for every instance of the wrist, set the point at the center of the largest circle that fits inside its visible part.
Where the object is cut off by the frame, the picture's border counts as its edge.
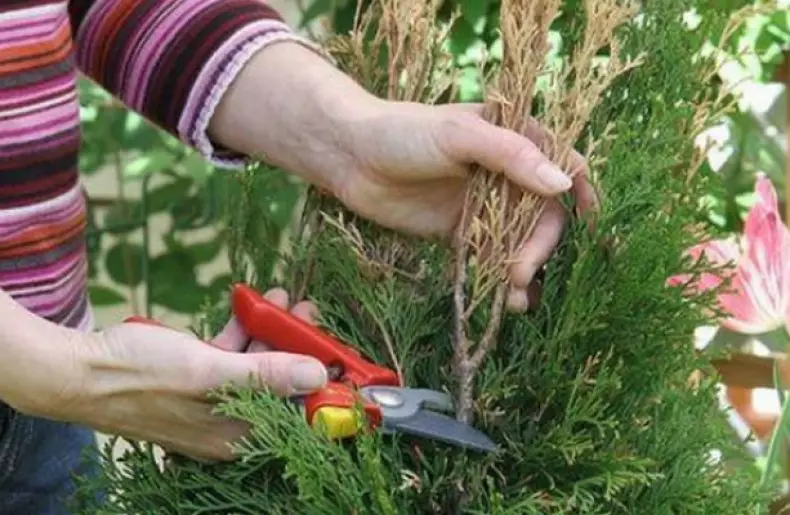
(293, 109)
(39, 362)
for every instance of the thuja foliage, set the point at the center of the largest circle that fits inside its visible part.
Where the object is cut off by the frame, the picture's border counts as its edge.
(589, 395)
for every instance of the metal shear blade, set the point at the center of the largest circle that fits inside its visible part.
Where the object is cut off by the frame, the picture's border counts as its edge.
(406, 410)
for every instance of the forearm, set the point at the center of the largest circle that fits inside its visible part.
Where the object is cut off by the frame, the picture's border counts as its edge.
(227, 77)
(290, 107)
(35, 354)
(172, 60)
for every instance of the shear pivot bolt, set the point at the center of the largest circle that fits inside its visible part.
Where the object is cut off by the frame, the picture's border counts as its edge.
(386, 398)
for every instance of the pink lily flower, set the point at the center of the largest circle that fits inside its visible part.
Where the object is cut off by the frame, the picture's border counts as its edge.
(758, 297)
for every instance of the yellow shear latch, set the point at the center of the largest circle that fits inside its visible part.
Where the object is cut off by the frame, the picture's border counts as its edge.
(337, 422)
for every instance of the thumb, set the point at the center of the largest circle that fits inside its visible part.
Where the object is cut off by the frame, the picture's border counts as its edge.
(283, 373)
(469, 138)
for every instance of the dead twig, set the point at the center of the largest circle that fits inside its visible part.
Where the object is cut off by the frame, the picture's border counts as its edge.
(577, 87)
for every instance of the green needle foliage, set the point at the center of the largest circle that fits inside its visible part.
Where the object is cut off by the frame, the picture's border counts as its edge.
(588, 396)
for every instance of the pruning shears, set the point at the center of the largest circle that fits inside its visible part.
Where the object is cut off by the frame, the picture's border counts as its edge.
(388, 407)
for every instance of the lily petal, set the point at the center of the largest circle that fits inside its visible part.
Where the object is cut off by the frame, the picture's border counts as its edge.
(746, 315)
(717, 252)
(766, 194)
(763, 275)
(758, 297)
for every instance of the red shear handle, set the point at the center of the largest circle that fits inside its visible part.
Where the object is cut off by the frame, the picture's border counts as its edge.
(278, 328)
(143, 320)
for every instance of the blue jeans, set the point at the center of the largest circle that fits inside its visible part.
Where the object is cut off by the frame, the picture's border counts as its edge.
(38, 461)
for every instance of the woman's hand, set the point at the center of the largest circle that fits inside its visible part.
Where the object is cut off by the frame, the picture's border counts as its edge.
(150, 383)
(408, 169)
(403, 165)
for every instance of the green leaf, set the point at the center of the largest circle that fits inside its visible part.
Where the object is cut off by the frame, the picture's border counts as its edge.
(463, 36)
(197, 167)
(92, 157)
(123, 217)
(111, 124)
(141, 135)
(220, 287)
(186, 298)
(127, 216)
(315, 9)
(198, 253)
(123, 263)
(104, 296)
(164, 197)
(90, 92)
(206, 251)
(474, 10)
(469, 85)
(152, 161)
(779, 25)
(280, 208)
(188, 212)
(174, 283)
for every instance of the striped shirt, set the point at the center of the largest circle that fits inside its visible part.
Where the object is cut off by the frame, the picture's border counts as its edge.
(131, 48)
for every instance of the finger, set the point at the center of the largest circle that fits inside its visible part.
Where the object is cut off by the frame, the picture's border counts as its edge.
(278, 297)
(520, 300)
(540, 245)
(258, 346)
(475, 108)
(231, 338)
(468, 138)
(587, 198)
(577, 165)
(578, 169)
(533, 130)
(283, 373)
(587, 201)
(307, 311)
(538, 133)
(517, 300)
(208, 440)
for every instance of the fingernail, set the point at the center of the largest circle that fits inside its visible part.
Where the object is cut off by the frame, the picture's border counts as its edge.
(308, 376)
(517, 300)
(554, 178)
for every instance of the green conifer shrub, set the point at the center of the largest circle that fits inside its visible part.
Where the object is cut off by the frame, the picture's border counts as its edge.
(588, 395)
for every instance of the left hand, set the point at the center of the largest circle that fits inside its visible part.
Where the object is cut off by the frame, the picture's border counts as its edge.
(403, 165)
(409, 167)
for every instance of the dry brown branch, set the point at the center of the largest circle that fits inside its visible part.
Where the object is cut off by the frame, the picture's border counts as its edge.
(417, 68)
(487, 242)
(381, 259)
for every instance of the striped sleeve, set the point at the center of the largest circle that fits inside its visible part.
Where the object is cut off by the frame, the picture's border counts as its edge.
(172, 60)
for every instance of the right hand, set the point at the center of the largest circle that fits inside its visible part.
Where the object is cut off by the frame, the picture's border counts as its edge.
(150, 383)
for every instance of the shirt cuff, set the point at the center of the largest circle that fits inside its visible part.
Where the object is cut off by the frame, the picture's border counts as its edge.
(172, 61)
(216, 77)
